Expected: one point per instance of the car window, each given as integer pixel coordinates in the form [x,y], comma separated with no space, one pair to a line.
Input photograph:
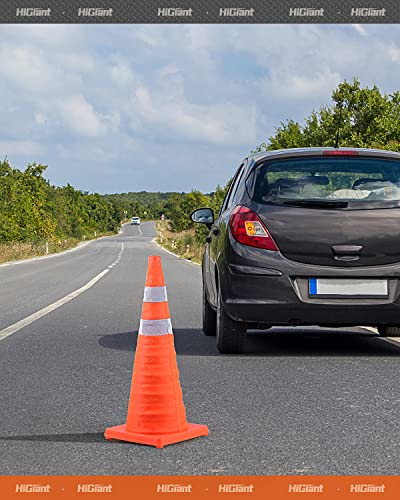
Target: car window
[356,180]
[232,189]
[235,188]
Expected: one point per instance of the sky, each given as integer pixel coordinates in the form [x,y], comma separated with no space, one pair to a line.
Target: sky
[123,108]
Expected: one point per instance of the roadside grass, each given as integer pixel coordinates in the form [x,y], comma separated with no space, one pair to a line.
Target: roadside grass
[18,250]
[181,243]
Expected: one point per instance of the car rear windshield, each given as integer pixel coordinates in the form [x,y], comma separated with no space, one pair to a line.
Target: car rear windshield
[331,182]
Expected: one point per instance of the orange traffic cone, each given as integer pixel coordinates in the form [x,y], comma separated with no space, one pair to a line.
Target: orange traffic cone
[156,413]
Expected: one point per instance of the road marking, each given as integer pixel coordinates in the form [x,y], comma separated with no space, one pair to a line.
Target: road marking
[79,246]
[43,257]
[140,231]
[154,240]
[138,238]
[6,332]
[118,258]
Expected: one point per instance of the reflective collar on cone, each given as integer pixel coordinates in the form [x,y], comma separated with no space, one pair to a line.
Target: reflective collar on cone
[155,327]
[155,294]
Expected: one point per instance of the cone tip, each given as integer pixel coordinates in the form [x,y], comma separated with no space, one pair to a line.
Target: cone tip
[155,276]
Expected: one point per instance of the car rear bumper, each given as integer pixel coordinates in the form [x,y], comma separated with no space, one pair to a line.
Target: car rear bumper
[275,312]
[259,286]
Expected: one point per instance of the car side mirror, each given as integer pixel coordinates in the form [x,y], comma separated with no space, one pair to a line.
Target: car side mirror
[203,216]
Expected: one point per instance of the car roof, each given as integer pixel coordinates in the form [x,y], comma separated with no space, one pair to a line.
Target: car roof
[281,153]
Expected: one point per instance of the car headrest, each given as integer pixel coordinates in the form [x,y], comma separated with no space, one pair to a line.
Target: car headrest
[367,180]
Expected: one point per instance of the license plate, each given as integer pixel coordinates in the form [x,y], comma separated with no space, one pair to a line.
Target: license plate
[348,287]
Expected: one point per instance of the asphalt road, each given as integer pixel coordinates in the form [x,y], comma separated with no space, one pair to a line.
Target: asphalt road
[298,402]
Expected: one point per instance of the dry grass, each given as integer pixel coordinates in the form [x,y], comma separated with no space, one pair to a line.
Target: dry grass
[25,250]
[182,244]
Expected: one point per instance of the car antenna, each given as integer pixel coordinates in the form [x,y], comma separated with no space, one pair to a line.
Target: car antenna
[338,128]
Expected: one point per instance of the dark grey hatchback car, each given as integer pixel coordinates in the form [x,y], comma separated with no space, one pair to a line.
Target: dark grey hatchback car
[304,237]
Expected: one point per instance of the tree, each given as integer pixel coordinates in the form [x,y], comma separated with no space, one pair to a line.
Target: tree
[364,117]
[33,210]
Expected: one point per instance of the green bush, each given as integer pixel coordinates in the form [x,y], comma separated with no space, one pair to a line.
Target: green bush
[33,210]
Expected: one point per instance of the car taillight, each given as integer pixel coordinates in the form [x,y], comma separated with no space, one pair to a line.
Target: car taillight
[247,228]
[340,152]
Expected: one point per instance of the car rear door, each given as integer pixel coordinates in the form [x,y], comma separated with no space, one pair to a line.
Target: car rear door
[339,238]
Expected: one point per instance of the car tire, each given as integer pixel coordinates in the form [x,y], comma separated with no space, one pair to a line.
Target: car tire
[389,331]
[231,334]
[209,317]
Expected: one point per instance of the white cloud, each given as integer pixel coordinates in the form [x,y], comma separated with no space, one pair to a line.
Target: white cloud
[41,119]
[394,54]
[317,85]
[359,28]
[112,92]
[144,34]
[82,63]
[168,70]
[21,148]
[223,123]
[26,68]
[113,121]
[80,116]
[39,73]
[122,74]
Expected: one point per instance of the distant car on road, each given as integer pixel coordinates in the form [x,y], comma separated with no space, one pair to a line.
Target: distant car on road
[135,221]
[304,237]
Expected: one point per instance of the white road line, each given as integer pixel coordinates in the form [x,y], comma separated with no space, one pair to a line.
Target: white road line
[140,231]
[79,246]
[6,332]
[174,254]
[43,257]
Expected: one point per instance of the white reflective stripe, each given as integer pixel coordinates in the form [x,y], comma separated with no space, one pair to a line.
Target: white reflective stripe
[155,294]
[155,327]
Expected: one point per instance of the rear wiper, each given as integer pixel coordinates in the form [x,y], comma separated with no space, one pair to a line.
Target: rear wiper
[317,203]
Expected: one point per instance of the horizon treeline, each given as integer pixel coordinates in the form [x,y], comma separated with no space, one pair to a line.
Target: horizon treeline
[31,209]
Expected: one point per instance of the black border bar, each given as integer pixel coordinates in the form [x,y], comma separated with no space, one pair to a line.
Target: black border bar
[199,12]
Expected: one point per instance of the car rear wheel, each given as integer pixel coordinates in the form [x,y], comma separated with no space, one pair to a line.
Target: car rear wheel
[209,317]
[389,331]
[231,335]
